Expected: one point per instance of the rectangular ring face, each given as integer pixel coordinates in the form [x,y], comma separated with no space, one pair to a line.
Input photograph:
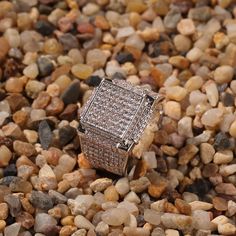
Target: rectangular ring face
[112,109]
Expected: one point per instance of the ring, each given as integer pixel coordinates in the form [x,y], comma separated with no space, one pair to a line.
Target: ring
[112,122]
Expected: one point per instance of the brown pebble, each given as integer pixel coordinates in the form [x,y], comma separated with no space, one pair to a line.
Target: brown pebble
[25,219]
[183,207]
[220,203]
[156,190]
[23,148]
[55,107]
[4,48]
[41,101]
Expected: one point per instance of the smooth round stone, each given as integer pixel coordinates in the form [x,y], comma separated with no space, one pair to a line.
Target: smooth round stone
[173,109]
[14,85]
[44,223]
[83,223]
[135,41]
[122,186]
[232,129]
[5,156]
[31,71]
[223,157]
[96,58]
[33,88]
[111,194]
[185,127]
[212,117]
[194,54]
[194,83]
[153,217]
[223,74]
[182,43]
[115,216]
[13,37]
[176,93]
[12,230]
[207,152]
[82,71]
[186,27]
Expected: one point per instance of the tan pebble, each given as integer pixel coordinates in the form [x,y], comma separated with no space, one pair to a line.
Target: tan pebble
[194,54]
[83,161]
[68,220]
[67,230]
[232,129]
[226,229]
[212,117]
[212,92]
[194,83]
[14,85]
[82,71]
[183,207]
[220,40]
[2,225]
[3,211]
[231,208]
[223,157]
[5,156]
[53,90]
[186,27]
[187,153]
[207,152]
[220,220]
[220,203]
[100,184]
[157,190]
[171,232]
[169,150]
[176,93]
[223,74]
[111,194]
[172,109]
[169,207]
[179,61]
[4,47]
[199,205]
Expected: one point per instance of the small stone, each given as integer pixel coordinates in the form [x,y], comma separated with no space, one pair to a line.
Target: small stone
[2,225]
[172,109]
[13,204]
[176,93]
[185,127]
[194,54]
[122,186]
[12,230]
[71,93]
[220,220]
[158,231]
[5,156]
[150,159]
[132,197]
[139,231]
[69,113]
[45,134]
[226,229]
[14,85]
[151,216]
[232,129]
[13,37]
[3,211]
[4,48]
[47,178]
[231,208]
[102,228]
[202,13]
[82,71]
[156,190]
[83,223]
[31,135]
[212,117]
[221,141]
[176,221]
[80,232]
[226,188]
[207,152]
[23,148]
[183,207]
[111,194]
[41,101]
[45,66]
[33,88]
[41,200]
[66,134]
[140,184]
[69,41]
[187,153]
[31,71]
[223,74]
[44,223]
[172,18]
[212,92]
[199,205]
[129,206]
[20,185]
[200,187]
[186,27]
[44,27]
[96,58]
[25,219]
[210,170]
[124,57]
[223,157]
[100,184]
[201,220]
[220,204]
[179,61]
[115,216]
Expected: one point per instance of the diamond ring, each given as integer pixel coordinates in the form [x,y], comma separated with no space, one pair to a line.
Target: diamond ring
[112,122]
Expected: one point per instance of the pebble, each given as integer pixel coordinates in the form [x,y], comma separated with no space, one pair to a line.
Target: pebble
[81,222]
[71,93]
[186,27]
[115,216]
[4,48]
[47,178]
[223,74]
[136,231]
[223,157]
[122,186]
[212,117]
[231,208]
[66,134]
[201,220]
[199,205]
[14,85]
[12,230]
[6,156]
[31,71]
[226,229]
[232,129]
[82,71]
[33,88]
[14,204]
[226,188]
[207,152]
[185,127]
[41,200]
[220,204]
[96,58]
[44,223]
[3,211]
[187,153]
[102,228]
[151,216]
[173,109]
[176,93]
[139,185]
[100,184]
[23,148]
[176,221]
[45,66]
[212,93]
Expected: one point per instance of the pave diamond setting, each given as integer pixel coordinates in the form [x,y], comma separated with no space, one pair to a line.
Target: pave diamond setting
[112,121]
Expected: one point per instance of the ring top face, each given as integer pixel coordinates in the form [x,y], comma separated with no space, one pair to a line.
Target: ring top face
[117,112]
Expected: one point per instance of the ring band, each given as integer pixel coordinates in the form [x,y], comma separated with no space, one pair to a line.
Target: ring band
[112,121]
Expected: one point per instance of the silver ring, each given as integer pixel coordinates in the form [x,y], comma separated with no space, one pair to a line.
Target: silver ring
[112,122]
